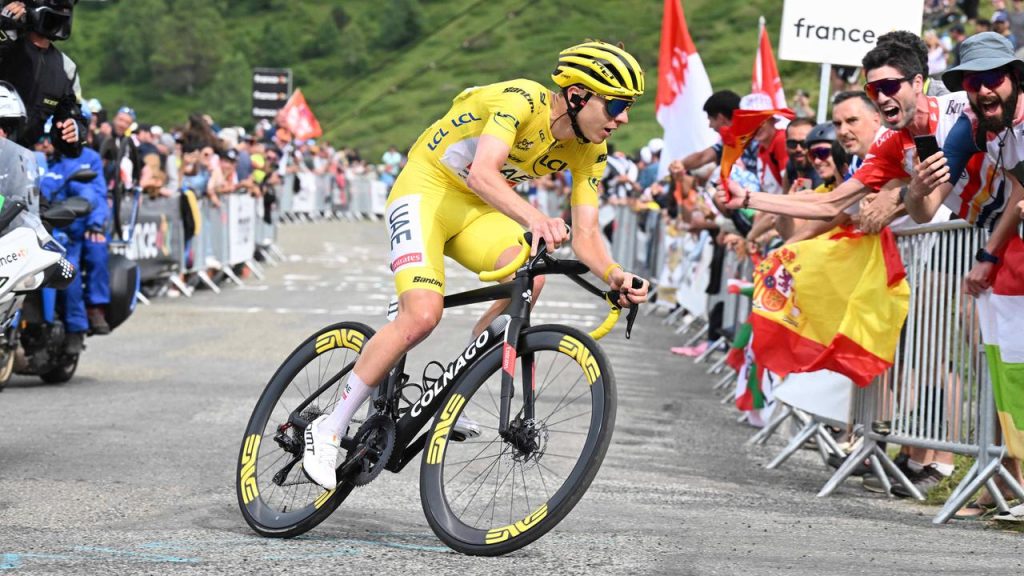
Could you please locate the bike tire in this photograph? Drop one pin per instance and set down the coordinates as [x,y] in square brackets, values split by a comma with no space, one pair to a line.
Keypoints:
[555,349]
[297,506]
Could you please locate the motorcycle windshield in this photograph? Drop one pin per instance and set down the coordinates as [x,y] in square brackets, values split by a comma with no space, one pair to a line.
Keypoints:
[19,175]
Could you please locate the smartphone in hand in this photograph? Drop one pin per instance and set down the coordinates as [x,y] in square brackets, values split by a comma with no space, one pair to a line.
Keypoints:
[927,146]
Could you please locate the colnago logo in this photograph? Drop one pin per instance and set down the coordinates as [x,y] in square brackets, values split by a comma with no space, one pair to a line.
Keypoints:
[451,373]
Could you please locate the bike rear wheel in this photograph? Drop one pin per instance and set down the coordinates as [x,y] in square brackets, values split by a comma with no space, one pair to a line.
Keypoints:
[274,494]
[488,495]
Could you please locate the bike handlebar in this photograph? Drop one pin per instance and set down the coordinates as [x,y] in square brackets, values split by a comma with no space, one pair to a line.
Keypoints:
[508,269]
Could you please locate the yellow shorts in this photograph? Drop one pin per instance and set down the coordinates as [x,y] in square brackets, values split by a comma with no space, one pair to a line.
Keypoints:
[428,221]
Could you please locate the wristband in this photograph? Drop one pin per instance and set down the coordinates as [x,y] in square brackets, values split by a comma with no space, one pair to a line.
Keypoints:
[903,194]
[983,255]
[746,200]
[608,272]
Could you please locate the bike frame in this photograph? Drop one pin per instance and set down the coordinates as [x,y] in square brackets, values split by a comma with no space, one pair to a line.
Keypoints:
[509,326]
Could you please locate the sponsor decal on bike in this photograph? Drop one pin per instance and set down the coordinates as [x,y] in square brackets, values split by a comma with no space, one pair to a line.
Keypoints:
[323,498]
[508,360]
[403,219]
[499,535]
[350,339]
[573,347]
[439,438]
[250,491]
[451,373]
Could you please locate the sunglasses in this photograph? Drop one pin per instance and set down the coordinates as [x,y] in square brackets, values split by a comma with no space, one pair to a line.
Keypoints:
[615,106]
[821,153]
[887,86]
[991,79]
[793,144]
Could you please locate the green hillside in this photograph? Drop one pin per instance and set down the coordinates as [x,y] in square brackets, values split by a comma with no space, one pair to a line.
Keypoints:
[377,73]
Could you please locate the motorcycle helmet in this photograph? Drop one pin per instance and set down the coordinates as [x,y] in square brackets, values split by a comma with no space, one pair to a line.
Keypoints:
[12,111]
[51,18]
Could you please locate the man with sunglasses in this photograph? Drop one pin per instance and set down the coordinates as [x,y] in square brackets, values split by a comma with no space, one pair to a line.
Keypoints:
[895,83]
[454,197]
[971,183]
[799,171]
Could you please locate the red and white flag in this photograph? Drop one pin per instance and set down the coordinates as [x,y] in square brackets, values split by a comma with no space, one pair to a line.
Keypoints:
[766,78]
[299,118]
[683,87]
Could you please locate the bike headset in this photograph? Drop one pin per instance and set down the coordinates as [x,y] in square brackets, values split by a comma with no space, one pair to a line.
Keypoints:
[600,68]
[51,18]
[12,111]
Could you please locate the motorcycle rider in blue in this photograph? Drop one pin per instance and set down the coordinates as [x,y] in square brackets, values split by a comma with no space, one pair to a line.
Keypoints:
[86,241]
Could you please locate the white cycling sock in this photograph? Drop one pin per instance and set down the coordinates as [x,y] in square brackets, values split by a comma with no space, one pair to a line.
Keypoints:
[352,397]
[914,465]
[944,469]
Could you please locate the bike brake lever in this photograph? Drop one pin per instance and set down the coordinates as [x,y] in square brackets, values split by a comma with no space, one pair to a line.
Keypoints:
[637,284]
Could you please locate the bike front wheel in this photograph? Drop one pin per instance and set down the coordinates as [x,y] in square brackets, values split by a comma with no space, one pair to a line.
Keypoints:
[489,495]
[274,494]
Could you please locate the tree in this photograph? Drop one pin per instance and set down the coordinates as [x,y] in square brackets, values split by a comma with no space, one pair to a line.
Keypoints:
[354,56]
[229,94]
[129,40]
[188,43]
[325,40]
[400,22]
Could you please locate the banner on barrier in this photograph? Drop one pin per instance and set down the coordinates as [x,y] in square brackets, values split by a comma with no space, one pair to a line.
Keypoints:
[241,228]
[157,241]
[304,199]
[693,270]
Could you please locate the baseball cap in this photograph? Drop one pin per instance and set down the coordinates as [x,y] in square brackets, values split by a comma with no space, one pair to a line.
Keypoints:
[127,110]
[231,155]
[761,101]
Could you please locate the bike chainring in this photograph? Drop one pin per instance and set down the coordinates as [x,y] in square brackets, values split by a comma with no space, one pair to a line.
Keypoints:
[375,441]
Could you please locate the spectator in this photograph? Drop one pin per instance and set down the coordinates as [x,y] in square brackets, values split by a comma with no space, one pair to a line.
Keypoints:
[392,160]
[957,34]
[802,104]
[198,134]
[719,108]
[982,25]
[799,171]
[153,179]
[1001,26]
[620,176]
[244,165]
[42,75]
[649,174]
[147,143]
[1016,16]
[936,53]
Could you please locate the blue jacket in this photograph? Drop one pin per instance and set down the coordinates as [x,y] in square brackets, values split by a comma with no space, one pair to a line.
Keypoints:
[52,187]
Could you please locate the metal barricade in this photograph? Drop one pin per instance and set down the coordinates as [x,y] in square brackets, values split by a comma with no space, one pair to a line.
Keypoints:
[937,395]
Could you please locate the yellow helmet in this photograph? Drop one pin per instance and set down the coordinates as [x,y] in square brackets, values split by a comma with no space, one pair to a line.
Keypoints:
[601,67]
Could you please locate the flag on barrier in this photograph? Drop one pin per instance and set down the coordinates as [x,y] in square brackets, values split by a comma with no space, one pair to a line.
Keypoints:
[835,302]
[1001,316]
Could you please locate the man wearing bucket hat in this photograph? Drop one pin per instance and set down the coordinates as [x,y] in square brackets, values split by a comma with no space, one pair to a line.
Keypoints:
[986,144]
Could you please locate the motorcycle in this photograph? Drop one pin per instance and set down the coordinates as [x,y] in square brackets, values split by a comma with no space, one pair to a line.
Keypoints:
[34,340]
[30,258]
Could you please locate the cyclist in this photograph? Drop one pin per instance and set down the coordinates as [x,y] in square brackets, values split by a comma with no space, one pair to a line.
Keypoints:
[454,197]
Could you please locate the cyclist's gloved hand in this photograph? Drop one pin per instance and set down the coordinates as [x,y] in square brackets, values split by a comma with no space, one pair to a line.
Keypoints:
[633,289]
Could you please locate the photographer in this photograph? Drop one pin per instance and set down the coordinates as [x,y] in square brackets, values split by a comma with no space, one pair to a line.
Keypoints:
[43,76]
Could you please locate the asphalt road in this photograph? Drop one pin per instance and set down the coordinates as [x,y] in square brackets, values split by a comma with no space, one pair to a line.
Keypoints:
[130,468]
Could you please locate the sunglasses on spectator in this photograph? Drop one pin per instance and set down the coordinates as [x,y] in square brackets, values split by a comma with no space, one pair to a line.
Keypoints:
[820,153]
[792,144]
[991,79]
[887,86]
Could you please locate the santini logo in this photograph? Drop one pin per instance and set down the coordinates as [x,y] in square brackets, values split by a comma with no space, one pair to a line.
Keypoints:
[425,280]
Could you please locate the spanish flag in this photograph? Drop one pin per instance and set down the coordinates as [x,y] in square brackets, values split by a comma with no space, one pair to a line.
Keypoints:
[737,135]
[835,302]
[1000,313]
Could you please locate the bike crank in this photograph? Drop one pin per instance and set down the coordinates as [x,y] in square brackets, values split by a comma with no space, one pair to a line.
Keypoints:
[374,443]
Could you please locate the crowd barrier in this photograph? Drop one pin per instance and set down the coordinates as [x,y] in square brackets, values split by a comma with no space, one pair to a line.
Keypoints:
[937,395]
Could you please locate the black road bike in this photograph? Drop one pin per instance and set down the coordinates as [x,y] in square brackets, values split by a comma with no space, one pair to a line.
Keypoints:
[543,398]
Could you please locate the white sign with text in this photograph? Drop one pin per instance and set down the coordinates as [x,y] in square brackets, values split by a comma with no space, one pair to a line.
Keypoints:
[842,32]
